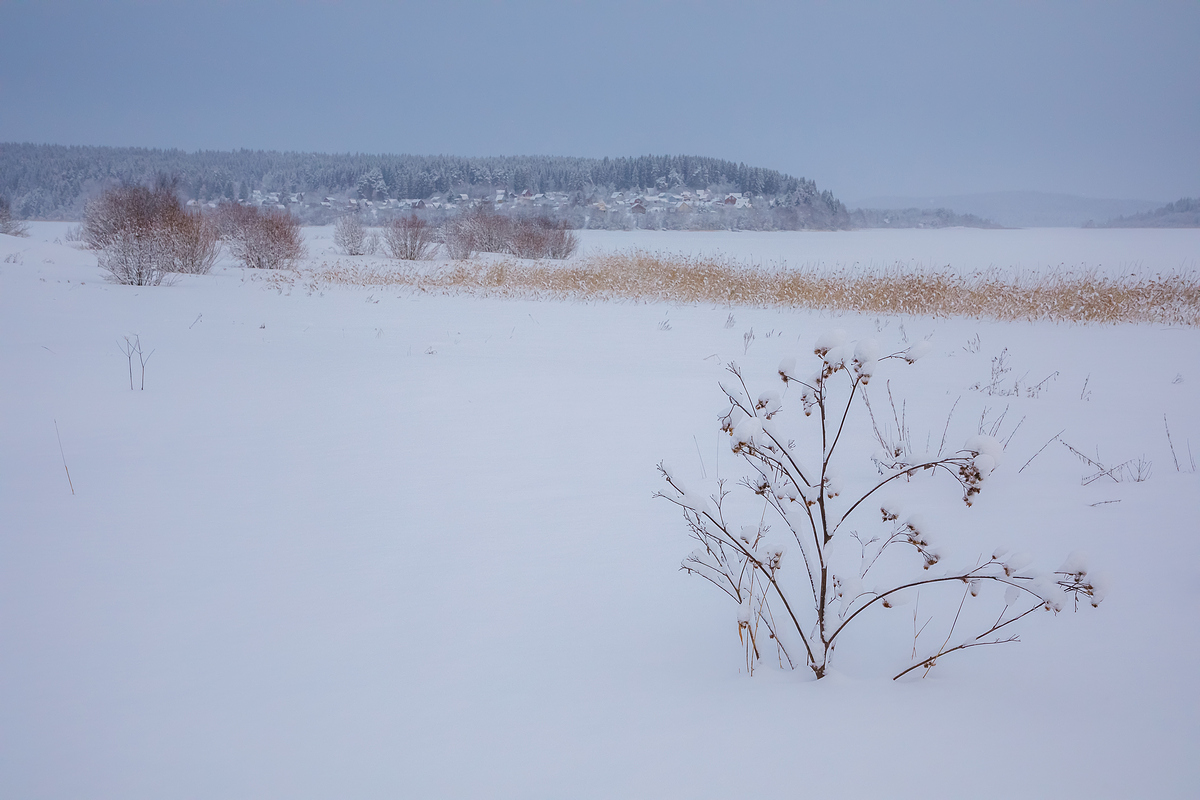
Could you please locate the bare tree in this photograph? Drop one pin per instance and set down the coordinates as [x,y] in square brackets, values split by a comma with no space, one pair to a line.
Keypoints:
[349,235]
[410,238]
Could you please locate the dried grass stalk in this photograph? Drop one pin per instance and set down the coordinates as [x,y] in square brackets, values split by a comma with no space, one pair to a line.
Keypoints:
[640,276]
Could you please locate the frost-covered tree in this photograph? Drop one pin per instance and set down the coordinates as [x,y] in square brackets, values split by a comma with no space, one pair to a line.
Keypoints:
[372,186]
[800,561]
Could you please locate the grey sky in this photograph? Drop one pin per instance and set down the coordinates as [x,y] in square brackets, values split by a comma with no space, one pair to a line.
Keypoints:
[1091,98]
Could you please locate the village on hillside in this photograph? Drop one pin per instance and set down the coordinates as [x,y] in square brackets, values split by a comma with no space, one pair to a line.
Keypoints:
[650,201]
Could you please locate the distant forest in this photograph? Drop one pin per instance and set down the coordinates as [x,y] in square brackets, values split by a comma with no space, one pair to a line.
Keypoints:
[1183,213]
[916,218]
[54,182]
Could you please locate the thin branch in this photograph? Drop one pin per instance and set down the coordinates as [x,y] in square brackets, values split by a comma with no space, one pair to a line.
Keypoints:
[1039,452]
[929,662]
[64,457]
[946,430]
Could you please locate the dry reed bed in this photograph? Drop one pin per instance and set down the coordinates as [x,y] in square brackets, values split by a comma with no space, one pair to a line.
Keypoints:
[641,276]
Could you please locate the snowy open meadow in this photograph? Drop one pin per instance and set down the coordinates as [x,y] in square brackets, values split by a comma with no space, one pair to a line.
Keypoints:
[373,541]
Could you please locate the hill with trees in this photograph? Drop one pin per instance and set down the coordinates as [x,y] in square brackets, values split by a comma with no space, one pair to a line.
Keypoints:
[54,182]
[1183,213]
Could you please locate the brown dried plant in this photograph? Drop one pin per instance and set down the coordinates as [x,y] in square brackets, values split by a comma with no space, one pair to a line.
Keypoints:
[802,611]
[640,276]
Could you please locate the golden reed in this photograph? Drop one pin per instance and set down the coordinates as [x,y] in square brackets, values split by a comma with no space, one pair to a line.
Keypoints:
[641,276]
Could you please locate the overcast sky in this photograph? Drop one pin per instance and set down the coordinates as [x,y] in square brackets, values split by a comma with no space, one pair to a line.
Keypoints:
[1092,98]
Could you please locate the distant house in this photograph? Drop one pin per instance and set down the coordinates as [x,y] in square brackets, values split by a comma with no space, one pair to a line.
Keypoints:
[683,207]
[419,204]
[638,207]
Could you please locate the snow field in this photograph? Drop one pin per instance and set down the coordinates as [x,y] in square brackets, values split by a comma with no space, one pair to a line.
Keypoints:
[369,543]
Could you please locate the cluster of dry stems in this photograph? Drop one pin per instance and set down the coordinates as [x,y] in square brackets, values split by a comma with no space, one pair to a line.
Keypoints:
[642,276]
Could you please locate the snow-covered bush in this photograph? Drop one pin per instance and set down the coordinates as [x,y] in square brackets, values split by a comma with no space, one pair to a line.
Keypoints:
[349,235]
[458,237]
[143,234]
[262,239]
[803,604]
[481,230]
[409,238]
[537,237]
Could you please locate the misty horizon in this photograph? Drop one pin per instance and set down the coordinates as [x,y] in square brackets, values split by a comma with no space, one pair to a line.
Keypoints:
[866,100]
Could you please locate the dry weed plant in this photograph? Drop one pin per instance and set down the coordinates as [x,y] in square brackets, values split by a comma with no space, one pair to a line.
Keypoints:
[641,276]
[800,606]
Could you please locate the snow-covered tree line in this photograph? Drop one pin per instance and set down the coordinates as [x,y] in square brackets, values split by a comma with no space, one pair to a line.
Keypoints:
[1183,213]
[51,181]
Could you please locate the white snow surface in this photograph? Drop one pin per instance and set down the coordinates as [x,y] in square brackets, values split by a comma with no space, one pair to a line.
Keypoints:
[958,250]
[406,546]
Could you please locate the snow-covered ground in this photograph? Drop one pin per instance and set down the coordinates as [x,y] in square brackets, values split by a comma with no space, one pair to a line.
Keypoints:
[962,250]
[959,250]
[361,543]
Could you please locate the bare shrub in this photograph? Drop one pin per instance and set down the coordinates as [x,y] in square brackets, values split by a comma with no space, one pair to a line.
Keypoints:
[262,239]
[194,242]
[143,234]
[477,231]
[528,239]
[410,238]
[561,243]
[482,230]
[8,225]
[349,235]
[491,232]
[133,259]
[458,238]
[538,237]
[124,210]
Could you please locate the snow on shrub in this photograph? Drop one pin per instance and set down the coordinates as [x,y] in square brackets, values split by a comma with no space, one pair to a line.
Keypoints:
[143,234]
[802,604]
[349,234]
[261,239]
